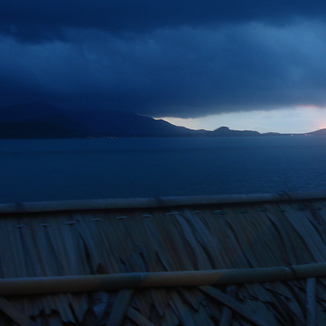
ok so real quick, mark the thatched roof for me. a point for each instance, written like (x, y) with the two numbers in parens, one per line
(232, 260)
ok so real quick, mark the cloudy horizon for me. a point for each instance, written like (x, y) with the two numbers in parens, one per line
(250, 64)
(286, 120)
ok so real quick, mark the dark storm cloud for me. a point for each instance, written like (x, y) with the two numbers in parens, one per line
(180, 58)
(38, 19)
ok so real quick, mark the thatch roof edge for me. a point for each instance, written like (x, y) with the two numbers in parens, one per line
(154, 202)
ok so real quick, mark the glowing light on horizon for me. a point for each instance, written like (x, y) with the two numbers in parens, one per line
(299, 119)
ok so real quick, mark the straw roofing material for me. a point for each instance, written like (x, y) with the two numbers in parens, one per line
(176, 235)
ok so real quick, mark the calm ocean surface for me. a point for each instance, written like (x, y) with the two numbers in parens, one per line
(37, 170)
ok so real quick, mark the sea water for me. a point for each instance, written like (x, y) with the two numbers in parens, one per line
(64, 169)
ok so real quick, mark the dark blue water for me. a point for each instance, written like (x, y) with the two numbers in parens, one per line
(37, 170)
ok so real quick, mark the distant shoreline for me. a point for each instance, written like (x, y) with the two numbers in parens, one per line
(44, 121)
(166, 136)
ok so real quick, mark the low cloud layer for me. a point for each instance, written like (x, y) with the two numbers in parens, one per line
(166, 58)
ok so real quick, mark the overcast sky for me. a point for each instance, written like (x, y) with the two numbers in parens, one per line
(250, 64)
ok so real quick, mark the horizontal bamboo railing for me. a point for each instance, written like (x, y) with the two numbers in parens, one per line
(91, 283)
(152, 202)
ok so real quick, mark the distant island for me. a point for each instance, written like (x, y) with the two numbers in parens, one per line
(42, 120)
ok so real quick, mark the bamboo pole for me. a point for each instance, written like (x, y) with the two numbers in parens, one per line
(152, 202)
(91, 283)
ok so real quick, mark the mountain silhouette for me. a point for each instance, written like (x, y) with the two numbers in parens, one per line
(43, 120)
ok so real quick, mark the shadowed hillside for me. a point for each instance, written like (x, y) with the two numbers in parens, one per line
(42, 120)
